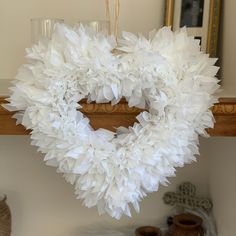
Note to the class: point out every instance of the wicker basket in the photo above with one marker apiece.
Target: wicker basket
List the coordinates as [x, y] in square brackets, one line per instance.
[5, 218]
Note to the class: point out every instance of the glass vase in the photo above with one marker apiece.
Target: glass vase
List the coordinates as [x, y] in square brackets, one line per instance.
[97, 26]
[42, 29]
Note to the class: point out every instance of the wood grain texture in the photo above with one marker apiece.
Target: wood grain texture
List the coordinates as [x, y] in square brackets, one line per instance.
[225, 116]
[109, 117]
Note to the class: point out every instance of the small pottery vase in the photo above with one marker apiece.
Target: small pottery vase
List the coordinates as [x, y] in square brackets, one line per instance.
[148, 231]
[186, 225]
[5, 218]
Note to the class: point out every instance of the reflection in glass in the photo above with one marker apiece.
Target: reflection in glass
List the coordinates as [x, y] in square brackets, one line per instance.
[192, 13]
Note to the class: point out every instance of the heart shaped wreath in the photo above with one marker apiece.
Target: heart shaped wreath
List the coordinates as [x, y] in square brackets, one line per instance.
[166, 74]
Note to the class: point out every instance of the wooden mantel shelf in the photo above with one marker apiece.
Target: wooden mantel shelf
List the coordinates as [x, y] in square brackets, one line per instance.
[107, 116]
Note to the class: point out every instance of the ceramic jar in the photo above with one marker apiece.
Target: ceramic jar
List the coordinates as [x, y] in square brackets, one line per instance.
[148, 231]
[186, 225]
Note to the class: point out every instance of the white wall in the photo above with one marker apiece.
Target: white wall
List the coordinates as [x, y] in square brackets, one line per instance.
[136, 16]
[222, 182]
[222, 151]
[42, 203]
[228, 48]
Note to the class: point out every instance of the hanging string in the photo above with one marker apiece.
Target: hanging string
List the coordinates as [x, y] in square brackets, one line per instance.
[117, 15]
[108, 15]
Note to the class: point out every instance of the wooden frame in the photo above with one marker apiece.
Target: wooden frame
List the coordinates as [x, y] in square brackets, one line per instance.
[107, 116]
[209, 30]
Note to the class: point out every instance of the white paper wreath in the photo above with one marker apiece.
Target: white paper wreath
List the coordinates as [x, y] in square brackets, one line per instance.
[166, 74]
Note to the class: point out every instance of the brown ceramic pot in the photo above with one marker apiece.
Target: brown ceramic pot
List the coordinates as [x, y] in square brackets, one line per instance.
[186, 225]
[148, 231]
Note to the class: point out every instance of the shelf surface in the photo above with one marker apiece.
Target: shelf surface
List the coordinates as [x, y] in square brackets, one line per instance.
[109, 117]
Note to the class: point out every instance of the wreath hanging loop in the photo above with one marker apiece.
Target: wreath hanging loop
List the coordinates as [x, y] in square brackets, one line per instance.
[165, 74]
[117, 16]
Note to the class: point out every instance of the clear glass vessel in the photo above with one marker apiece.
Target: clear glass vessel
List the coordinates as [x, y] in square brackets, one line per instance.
[42, 28]
[97, 26]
